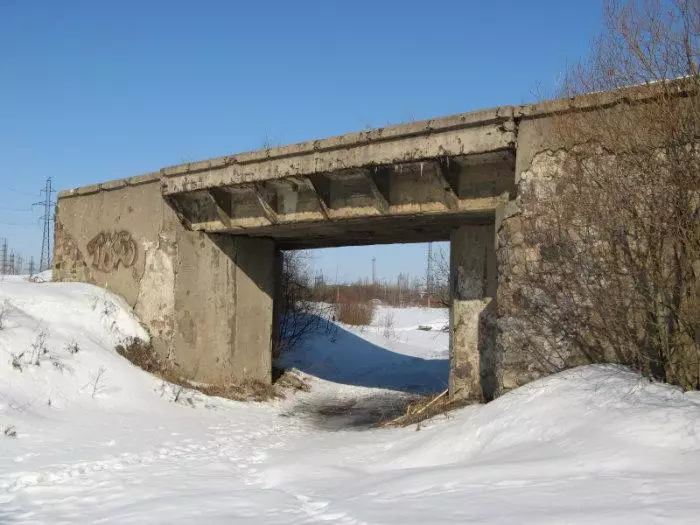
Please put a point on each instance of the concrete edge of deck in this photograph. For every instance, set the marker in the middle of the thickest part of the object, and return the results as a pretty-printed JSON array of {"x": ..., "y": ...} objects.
[{"x": 401, "y": 131}]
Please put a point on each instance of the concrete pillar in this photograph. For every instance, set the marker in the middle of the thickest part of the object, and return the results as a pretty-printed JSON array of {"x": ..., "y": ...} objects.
[
  {"x": 473, "y": 284},
  {"x": 224, "y": 287}
]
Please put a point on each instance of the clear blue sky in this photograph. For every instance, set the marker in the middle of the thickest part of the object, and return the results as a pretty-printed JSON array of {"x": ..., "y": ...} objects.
[{"x": 92, "y": 91}]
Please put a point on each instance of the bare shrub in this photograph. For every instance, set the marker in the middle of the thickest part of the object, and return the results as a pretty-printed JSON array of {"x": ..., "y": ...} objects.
[
  {"x": 300, "y": 313},
  {"x": 613, "y": 273},
  {"x": 387, "y": 325},
  {"x": 17, "y": 361},
  {"x": 355, "y": 314},
  {"x": 58, "y": 364},
  {"x": 98, "y": 381},
  {"x": 243, "y": 391},
  {"x": 441, "y": 277},
  {"x": 5, "y": 308},
  {"x": 10, "y": 432},
  {"x": 404, "y": 292},
  {"x": 39, "y": 347},
  {"x": 141, "y": 353},
  {"x": 423, "y": 408}
]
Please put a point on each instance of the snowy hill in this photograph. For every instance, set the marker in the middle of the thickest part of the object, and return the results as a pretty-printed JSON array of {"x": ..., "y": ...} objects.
[{"x": 100, "y": 440}]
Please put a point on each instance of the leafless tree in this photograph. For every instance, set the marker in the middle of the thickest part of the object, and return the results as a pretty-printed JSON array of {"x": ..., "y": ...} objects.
[
  {"x": 301, "y": 314},
  {"x": 613, "y": 217}
]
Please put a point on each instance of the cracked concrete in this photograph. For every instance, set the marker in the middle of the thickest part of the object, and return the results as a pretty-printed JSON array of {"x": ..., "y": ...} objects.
[{"x": 207, "y": 233}]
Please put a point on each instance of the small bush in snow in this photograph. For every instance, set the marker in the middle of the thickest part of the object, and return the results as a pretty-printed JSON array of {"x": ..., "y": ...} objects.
[
  {"x": 97, "y": 381},
  {"x": 10, "y": 432},
  {"x": 39, "y": 347},
  {"x": 141, "y": 354},
  {"x": 355, "y": 314},
  {"x": 387, "y": 324},
  {"x": 17, "y": 361},
  {"x": 57, "y": 363},
  {"x": 425, "y": 327},
  {"x": 103, "y": 304},
  {"x": 72, "y": 347}
]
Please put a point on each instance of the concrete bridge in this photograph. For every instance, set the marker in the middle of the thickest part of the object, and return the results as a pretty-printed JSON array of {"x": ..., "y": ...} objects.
[{"x": 195, "y": 248}]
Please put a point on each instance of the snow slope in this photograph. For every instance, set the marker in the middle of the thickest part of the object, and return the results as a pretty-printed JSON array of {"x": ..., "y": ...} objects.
[
  {"x": 596, "y": 444},
  {"x": 395, "y": 356}
]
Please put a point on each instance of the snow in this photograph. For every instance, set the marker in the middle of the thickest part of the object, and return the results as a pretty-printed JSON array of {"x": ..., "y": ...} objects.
[
  {"x": 398, "y": 357},
  {"x": 596, "y": 444}
]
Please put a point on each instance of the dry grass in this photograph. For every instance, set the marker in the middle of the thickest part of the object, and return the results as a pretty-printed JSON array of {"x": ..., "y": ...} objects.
[
  {"x": 425, "y": 408},
  {"x": 141, "y": 354},
  {"x": 355, "y": 313}
]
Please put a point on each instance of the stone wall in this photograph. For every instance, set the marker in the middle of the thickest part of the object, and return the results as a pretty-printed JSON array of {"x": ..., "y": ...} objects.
[{"x": 523, "y": 355}]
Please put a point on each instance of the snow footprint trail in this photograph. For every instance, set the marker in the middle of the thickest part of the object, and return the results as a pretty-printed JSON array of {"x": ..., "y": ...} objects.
[
  {"x": 229, "y": 451},
  {"x": 319, "y": 511},
  {"x": 254, "y": 452}
]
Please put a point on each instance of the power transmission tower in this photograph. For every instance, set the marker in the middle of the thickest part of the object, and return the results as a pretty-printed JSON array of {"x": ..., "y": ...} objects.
[
  {"x": 19, "y": 265},
  {"x": 429, "y": 273},
  {"x": 47, "y": 218},
  {"x": 11, "y": 264},
  {"x": 32, "y": 266},
  {"x": 3, "y": 257},
  {"x": 374, "y": 270}
]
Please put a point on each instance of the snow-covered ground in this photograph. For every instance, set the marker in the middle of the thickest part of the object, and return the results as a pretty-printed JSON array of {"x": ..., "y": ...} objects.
[{"x": 98, "y": 440}]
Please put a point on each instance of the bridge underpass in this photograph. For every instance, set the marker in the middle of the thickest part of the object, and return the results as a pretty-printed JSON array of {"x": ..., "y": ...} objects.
[
  {"x": 206, "y": 237},
  {"x": 194, "y": 248},
  {"x": 450, "y": 197}
]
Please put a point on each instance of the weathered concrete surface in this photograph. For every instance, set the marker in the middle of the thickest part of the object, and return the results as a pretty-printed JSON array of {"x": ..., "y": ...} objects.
[
  {"x": 464, "y": 134},
  {"x": 89, "y": 245},
  {"x": 206, "y": 300},
  {"x": 223, "y": 308},
  {"x": 473, "y": 369},
  {"x": 414, "y": 200}
]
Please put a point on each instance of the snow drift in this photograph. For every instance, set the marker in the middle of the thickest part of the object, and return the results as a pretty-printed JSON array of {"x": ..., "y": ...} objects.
[{"x": 596, "y": 444}]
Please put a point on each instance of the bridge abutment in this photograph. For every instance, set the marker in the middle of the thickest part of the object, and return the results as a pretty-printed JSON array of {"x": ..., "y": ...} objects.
[{"x": 224, "y": 288}]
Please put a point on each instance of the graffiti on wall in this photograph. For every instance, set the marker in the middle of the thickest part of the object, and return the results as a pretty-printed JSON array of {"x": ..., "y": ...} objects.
[{"x": 109, "y": 249}]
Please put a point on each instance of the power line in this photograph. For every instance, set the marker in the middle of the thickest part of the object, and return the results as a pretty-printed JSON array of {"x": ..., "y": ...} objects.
[
  {"x": 15, "y": 209},
  {"x": 22, "y": 224},
  {"x": 8, "y": 188}
]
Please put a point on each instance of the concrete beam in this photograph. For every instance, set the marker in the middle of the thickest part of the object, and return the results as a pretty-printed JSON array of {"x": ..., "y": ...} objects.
[
  {"x": 322, "y": 204},
  {"x": 382, "y": 202},
  {"x": 445, "y": 179},
  {"x": 222, "y": 202},
  {"x": 270, "y": 213}
]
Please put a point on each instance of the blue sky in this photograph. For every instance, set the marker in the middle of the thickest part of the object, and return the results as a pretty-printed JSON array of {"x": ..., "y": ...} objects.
[{"x": 92, "y": 91}]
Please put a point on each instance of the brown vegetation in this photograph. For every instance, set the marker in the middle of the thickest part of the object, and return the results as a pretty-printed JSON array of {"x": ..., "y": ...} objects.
[
  {"x": 614, "y": 216},
  {"x": 141, "y": 354},
  {"x": 355, "y": 313},
  {"x": 424, "y": 408},
  {"x": 403, "y": 293}
]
